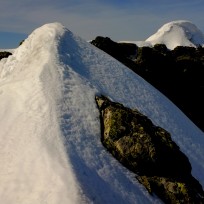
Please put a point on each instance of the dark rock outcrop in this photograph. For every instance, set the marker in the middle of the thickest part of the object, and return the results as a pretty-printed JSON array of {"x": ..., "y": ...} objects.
[
  {"x": 4, "y": 54},
  {"x": 148, "y": 151},
  {"x": 123, "y": 52},
  {"x": 177, "y": 73}
]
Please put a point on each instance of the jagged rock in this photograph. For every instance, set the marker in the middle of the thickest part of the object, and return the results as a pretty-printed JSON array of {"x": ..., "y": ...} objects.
[{"x": 148, "y": 151}]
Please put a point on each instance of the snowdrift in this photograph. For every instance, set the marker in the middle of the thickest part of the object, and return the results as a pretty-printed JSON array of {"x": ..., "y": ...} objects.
[
  {"x": 178, "y": 33},
  {"x": 173, "y": 34},
  {"x": 50, "y": 129}
]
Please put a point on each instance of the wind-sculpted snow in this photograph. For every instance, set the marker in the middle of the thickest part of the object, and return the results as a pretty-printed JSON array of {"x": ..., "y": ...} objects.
[
  {"x": 34, "y": 166},
  {"x": 173, "y": 34},
  {"x": 50, "y": 129},
  {"x": 178, "y": 33}
]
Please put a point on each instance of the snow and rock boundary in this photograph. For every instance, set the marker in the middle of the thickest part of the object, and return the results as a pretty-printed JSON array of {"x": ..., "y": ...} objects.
[{"x": 50, "y": 133}]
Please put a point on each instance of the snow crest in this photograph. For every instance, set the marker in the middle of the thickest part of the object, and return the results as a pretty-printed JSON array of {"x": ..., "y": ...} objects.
[
  {"x": 34, "y": 166},
  {"x": 50, "y": 129},
  {"x": 178, "y": 33}
]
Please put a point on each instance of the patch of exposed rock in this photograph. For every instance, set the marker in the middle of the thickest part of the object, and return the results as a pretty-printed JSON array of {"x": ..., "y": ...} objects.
[
  {"x": 4, "y": 54},
  {"x": 158, "y": 65},
  {"x": 148, "y": 151},
  {"x": 124, "y": 52}
]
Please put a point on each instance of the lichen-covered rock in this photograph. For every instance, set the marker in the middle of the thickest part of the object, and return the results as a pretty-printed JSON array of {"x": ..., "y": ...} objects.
[{"x": 149, "y": 151}]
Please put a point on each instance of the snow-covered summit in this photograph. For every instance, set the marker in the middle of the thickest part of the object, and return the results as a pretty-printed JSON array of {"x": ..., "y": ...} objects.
[
  {"x": 50, "y": 149},
  {"x": 178, "y": 33}
]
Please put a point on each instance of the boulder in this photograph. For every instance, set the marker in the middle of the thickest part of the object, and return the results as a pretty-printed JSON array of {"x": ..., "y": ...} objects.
[{"x": 149, "y": 152}]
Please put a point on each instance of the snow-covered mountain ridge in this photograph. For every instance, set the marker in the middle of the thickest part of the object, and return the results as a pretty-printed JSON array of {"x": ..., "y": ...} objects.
[
  {"x": 50, "y": 129},
  {"x": 173, "y": 34}
]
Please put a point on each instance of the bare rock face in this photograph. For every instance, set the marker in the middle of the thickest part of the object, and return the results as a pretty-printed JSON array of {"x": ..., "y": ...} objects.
[
  {"x": 124, "y": 52},
  {"x": 148, "y": 151}
]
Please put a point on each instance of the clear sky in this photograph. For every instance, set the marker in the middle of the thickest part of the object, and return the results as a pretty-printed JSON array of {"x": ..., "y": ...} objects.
[{"x": 117, "y": 19}]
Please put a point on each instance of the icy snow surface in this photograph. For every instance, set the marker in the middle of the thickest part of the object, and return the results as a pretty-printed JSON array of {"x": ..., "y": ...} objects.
[{"x": 50, "y": 149}]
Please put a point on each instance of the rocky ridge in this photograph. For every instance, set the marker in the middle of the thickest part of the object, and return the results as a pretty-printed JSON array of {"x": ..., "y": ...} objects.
[{"x": 177, "y": 73}]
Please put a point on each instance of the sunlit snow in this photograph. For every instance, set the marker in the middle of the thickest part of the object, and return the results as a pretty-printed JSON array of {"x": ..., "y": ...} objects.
[
  {"x": 178, "y": 33},
  {"x": 173, "y": 34},
  {"x": 50, "y": 130}
]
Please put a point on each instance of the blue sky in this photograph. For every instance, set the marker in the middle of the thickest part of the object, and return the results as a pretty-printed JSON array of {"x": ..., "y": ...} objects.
[{"x": 117, "y": 19}]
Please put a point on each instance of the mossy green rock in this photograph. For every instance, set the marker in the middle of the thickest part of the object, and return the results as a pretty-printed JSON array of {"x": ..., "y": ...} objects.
[{"x": 148, "y": 151}]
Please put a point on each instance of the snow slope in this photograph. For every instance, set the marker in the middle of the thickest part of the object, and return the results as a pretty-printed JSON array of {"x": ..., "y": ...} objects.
[
  {"x": 177, "y": 33},
  {"x": 50, "y": 129}
]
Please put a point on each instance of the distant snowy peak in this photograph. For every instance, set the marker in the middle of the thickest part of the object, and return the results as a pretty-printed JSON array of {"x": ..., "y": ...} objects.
[{"x": 178, "y": 33}]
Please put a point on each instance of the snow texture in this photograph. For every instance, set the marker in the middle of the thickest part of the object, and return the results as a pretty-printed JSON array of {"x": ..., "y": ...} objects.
[
  {"x": 138, "y": 43},
  {"x": 50, "y": 130},
  {"x": 178, "y": 33},
  {"x": 7, "y": 50},
  {"x": 173, "y": 34}
]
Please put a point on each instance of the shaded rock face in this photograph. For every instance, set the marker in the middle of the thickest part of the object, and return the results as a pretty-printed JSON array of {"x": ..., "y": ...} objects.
[
  {"x": 124, "y": 52},
  {"x": 4, "y": 54},
  {"x": 148, "y": 151}
]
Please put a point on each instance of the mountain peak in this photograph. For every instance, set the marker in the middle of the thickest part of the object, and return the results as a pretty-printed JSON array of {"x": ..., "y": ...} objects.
[
  {"x": 178, "y": 33},
  {"x": 51, "y": 150}
]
